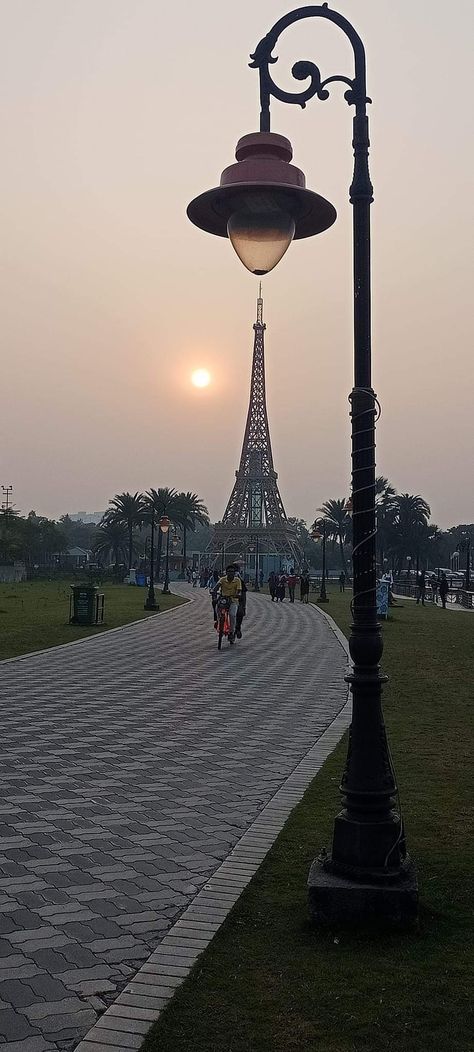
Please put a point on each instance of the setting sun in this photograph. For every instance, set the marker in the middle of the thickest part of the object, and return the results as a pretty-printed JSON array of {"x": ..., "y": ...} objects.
[{"x": 201, "y": 378}]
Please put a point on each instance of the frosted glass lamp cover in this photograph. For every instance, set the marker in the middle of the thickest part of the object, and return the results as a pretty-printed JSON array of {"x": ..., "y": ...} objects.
[{"x": 261, "y": 239}]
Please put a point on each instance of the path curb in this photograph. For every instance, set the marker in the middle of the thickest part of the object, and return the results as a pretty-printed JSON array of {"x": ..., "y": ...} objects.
[{"x": 99, "y": 635}]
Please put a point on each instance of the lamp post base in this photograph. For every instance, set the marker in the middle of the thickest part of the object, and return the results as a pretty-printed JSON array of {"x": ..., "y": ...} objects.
[
  {"x": 334, "y": 899},
  {"x": 150, "y": 604},
  {"x": 322, "y": 599}
]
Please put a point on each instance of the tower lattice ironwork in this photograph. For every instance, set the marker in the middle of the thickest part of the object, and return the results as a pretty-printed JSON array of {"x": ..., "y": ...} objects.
[{"x": 255, "y": 512}]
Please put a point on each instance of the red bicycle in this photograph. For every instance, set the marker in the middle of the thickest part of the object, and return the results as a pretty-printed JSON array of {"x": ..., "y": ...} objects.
[{"x": 223, "y": 619}]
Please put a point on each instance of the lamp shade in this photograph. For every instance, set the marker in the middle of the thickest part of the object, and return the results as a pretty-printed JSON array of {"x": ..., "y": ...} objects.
[
  {"x": 165, "y": 523},
  {"x": 262, "y": 203}
]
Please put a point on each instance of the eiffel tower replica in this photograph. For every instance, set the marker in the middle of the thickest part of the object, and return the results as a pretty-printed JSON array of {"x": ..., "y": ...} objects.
[{"x": 255, "y": 514}]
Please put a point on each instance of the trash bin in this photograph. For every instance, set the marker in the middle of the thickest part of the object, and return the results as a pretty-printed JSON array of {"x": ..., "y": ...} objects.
[{"x": 86, "y": 605}]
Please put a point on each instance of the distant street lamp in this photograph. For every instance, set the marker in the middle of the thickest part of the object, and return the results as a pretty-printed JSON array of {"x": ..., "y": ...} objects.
[
  {"x": 465, "y": 546},
  {"x": 256, "y": 586},
  {"x": 318, "y": 534},
  {"x": 150, "y": 602},
  {"x": 261, "y": 204},
  {"x": 165, "y": 524}
]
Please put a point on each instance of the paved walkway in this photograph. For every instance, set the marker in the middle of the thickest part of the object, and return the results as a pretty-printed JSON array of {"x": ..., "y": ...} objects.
[{"x": 131, "y": 765}]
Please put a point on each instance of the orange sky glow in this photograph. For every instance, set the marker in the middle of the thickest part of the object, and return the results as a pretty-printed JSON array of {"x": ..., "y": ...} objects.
[{"x": 114, "y": 115}]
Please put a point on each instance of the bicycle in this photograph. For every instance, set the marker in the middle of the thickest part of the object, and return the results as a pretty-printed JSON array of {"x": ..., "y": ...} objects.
[{"x": 223, "y": 619}]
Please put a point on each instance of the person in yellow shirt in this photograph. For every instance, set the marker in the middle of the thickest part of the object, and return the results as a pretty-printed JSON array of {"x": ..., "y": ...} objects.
[{"x": 230, "y": 587}]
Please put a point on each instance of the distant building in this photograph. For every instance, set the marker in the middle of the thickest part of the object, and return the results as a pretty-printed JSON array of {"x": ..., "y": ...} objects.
[
  {"x": 13, "y": 573},
  {"x": 87, "y": 516},
  {"x": 78, "y": 557}
]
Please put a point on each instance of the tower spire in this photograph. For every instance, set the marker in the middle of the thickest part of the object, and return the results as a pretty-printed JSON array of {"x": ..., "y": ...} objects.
[{"x": 260, "y": 305}]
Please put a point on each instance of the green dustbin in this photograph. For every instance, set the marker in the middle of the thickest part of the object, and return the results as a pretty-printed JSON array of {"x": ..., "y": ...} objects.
[{"x": 86, "y": 605}]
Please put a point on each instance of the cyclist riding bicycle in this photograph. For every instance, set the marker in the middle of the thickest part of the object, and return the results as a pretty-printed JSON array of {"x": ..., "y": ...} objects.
[{"x": 230, "y": 587}]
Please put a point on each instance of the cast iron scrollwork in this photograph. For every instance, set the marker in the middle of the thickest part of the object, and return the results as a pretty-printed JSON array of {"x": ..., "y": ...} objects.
[{"x": 262, "y": 58}]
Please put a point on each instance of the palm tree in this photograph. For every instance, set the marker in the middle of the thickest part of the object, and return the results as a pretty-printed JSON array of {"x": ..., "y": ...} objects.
[
  {"x": 127, "y": 509},
  {"x": 385, "y": 506},
  {"x": 112, "y": 539},
  {"x": 191, "y": 511},
  {"x": 338, "y": 524},
  {"x": 383, "y": 488},
  {"x": 165, "y": 502},
  {"x": 411, "y": 524}
]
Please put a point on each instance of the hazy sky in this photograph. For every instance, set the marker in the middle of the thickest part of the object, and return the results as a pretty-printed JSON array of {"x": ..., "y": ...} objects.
[{"x": 114, "y": 114}]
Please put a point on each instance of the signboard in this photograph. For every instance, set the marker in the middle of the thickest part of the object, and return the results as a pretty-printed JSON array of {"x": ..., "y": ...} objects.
[
  {"x": 82, "y": 606},
  {"x": 382, "y": 598}
]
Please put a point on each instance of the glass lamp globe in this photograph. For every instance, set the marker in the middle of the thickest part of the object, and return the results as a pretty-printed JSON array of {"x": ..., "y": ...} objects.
[{"x": 260, "y": 239}]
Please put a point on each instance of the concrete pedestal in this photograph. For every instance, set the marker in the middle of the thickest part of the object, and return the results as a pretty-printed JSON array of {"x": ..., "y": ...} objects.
[{"x": 335, "y": 899}]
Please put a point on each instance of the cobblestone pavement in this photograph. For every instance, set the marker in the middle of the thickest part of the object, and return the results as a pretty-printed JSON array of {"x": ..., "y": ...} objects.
[{"x": 131, "y": 764}]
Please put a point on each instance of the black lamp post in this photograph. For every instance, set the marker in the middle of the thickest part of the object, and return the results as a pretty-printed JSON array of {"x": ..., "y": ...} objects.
[
  {"x": 165, "y": 524},
  {"x": 261, "y": 204},
  {"x": 317, "y": 535},
  {"x": 465, "y": 546},
  {"x": 150, "y": 602},
  {"x": 256, "y": 586}
]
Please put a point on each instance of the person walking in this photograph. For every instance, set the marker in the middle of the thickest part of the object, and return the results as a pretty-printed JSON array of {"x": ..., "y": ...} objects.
[
  {"x": 242, "y": 607},
  {"x": 304, "y": 588},
  {"x": 261, "y": 578},
  {"x": 195, "y": 578},
  {"x": 443, "y": 590},
  {"x": 280, "y": 588},
  {"x": 434, "y": 587},
  {"x": 272, "y": 585},
  {"x": 421, "y": 586},
  {"x": 342, "y": 581},
  {"x": 292, "y": 579}
]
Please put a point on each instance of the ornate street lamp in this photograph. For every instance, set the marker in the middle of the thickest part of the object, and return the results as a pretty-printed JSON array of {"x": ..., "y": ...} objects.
[
  {"x": 318, "y": 534},
  {"x": 165, "y": 524},
  {"x": 150, "y": 602},
  {"x": 262, "y": 204}
]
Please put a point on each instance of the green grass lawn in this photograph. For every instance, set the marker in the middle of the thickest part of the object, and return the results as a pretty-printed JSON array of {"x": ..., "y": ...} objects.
[
  {"x": 268, "y": 982},
  {"x": 35, "y": 614}
]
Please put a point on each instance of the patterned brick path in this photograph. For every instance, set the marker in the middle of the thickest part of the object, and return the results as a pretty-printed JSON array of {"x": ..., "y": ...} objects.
[{"x": 131, "y": 764}]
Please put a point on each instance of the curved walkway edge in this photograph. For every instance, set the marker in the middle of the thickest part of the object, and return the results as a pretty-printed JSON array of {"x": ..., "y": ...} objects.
[
  {"x": 98, "y": 635},
  {"x": 124, "y": 1025}
]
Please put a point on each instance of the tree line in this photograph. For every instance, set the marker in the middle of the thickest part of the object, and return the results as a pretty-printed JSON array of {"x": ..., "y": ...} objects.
[
  {"x": 405, "y": 536},
  {"x": 121, "y": 526},
  {"x": 118, "y": 537}
]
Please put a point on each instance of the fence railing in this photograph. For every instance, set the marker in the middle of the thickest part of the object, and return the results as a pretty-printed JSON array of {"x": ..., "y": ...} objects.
[{"x": 456, "y": 593}]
